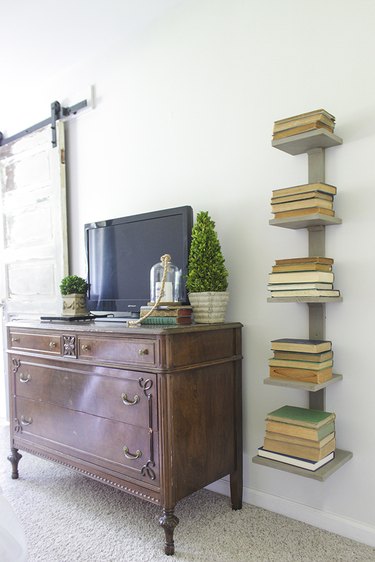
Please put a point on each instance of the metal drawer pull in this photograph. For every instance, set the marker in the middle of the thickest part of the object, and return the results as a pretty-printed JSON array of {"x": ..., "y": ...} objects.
[
  {"x": 85, "y": 347},
  {"x": 26, "y": 421},
  {"x": 131, "y": 456},
  {"x": 15, "y": 340},
  {"x": 143, "y": 351},
  {"x": 128, "y": 402},
  {"x": 25, "y": 378},
  {"x": 52, "y": 344}
]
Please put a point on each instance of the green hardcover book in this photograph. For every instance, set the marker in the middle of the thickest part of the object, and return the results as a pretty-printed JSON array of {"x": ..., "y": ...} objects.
[
  {"x": 166, "y": 320},
  {"x": 306, "y": 346},
  {"x": 301, "y": 416}
]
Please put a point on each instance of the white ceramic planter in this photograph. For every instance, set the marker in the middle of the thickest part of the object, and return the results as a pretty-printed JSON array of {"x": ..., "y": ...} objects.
[
  {"x": 74, "y": 305},
  {"x": 209, "y": 307}
]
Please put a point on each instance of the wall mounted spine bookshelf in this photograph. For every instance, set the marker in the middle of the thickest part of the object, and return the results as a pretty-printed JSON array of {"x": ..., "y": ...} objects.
[{"x": 314, "y": 144}]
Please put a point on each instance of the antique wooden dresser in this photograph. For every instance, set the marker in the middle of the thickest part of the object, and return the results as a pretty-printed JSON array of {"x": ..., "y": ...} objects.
[{"x": 153, "y": 411}]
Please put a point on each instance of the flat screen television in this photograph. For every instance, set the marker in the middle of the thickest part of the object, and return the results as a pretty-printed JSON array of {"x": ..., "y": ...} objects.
[{"x": 120, "y": 253}]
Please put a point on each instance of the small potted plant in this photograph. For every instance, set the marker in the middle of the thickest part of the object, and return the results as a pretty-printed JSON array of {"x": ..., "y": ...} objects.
[
  {"x": 207, "y": 278},
  {"x": 73, "y": 291}
]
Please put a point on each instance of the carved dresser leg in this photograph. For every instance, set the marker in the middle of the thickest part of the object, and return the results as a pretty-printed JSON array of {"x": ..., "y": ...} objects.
[
  {"x": 14, "y": 458},
  {"x": 168, "y": 521}
]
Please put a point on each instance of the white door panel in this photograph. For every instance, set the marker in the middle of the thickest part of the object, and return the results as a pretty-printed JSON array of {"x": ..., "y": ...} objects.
[{"x": 35, "y": 255}]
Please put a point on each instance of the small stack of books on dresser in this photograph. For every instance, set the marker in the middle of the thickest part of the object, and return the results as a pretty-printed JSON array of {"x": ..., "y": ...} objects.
[
  {"x": 302, "y": 123},
  {"x": 171, "y": 315},
  {"x": 310, "y": 276},
  {"x": 299, "y": 437},
  {"x": 302, "y": 200},
  {"x": 301, "y": 360}
]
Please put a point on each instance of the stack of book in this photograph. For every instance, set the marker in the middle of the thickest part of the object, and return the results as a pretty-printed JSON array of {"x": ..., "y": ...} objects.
[
  {"x": 301, "y": 360},
  {"x": 178, "y": 315},
  {"x": 310, "y": 276},
  {"x": 302, "y": 123},
  {"x": 302, "y": 200},
  {"x": 299, "y": 437}
]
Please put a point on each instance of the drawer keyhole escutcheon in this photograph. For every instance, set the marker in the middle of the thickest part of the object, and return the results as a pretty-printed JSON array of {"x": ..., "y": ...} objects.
[
  {"x": 143, "y": 351},
  {"x": 132, "y": 456},
  {"x": 128, "y": 402},
  {"x": 85, "y": 347},
  {"x": 26, "y": 421},
  {"x": 25, "y": 378},
  {"x": 52, "y": 344}
]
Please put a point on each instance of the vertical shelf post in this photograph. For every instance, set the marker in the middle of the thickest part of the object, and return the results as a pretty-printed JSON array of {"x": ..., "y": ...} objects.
[
  {"x": 316, "y": 163},
  {"x": 317, "y": 311},
  {"x": 317, "y": 331}
]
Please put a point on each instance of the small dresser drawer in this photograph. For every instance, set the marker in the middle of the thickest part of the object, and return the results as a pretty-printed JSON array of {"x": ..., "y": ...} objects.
[
  {"x": 117, "y": 350},
  {"x": 39, "y": 343}
]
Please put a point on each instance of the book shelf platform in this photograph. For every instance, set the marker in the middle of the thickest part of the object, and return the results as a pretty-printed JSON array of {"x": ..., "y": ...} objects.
[
  {"x": 304, "y": 142},
  {"x": 309, "y": 386},
  {"x": 304, "y": 299},
  {"x": 341, "y": 457},
  {"x": 306, "y": 221}
]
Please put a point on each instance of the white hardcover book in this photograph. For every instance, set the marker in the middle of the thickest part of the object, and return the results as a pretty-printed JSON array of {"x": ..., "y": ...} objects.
[
  {"x": 295, "y": 461},
  {"x": 297, "y": 286}
]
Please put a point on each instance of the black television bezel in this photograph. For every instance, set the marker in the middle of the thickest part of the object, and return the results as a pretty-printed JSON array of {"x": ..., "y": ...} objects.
[{"x": 186, "y": 213}]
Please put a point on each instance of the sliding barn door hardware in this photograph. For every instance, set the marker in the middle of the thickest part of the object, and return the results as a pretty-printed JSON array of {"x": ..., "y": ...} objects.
[{"x": 57, "y": 112}]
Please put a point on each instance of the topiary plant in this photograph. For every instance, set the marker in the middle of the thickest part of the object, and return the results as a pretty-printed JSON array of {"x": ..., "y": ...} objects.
[
  {"x": 206, "y": 265},
  {"x": 72, "y": 284}
]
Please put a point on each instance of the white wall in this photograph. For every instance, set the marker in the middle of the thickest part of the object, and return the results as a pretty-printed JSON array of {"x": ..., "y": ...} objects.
[{"x": 184, "y": 115}]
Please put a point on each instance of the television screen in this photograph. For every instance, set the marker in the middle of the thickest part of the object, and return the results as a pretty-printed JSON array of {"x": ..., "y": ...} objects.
[{"x": 120, "y": 253}]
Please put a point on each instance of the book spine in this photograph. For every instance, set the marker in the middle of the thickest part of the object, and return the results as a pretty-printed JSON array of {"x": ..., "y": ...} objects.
[
  {"x": 303, "y": 212},
  {"x": 296, "y": 205},
  {"x": 284, "y": 124},
  {"x": 309, "y": 357},
  {"x": 307, "y": 259},
  {"x": 301, "y": 276},
  {"x": 300, "y": 365},
  {"x": 301, "y": 293},
  {"x": 300, "y": 440},
  {"x": 294, "y": 450},
  {"x": 305, "y": 346},
  {"x": 295, "y": 461},
  {"x": 302, "y": 375},
  {"x": 305, "y": 188},
  {"x": 302, "y": 196},
  {"x": 302, "y": 432},
  {"x": 296, "y": 286},
  {"x": 301, "y": 267},
  {"x": 166, "y": 320},
  {"x": 302, "y": 129},
  {"x": 186, "y": 311}
]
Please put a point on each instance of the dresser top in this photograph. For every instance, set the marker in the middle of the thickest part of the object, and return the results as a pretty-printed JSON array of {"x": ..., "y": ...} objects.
[{"x": 116, "y": 327}]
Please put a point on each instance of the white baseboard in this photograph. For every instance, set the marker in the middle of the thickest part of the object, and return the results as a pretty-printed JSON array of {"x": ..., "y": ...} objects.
[{"x": 331, "y": 522}]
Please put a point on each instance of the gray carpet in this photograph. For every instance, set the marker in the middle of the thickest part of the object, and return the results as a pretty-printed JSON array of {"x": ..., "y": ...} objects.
[{"x": 69, "y": 518}]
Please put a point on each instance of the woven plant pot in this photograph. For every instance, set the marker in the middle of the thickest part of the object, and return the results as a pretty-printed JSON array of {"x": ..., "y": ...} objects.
[
  {"x": 74, "y": 305},
  {"x": 209, "y": 307}
]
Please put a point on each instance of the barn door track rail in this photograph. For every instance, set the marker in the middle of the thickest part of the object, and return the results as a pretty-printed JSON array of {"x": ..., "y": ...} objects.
[{"x": 57, "y": 112}]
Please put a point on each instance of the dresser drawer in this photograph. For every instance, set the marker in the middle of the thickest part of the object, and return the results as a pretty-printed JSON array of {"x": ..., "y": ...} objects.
[
  {"x": 127, "y": 396},
  {"x": 40, "y": 343},
  {"x": 117, "y": 350},
  {"x": 111, "y": 444}
]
